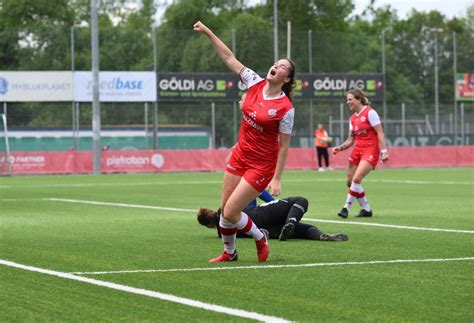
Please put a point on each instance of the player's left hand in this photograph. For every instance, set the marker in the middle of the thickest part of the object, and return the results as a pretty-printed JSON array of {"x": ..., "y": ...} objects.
[
  {"x": 384, "y": 155},
  {"x": 274, "y": 187}
]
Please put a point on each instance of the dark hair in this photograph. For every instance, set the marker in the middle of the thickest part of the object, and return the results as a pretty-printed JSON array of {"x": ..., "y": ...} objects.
[
  {"x": 207, "y": 216},
  {"x": 288, "y": 87},
  {"x": 359, "y": 95}
]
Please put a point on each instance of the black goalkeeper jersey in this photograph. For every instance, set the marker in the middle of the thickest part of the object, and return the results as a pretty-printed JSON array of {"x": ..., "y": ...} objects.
[{"x": 271, "y": 215}]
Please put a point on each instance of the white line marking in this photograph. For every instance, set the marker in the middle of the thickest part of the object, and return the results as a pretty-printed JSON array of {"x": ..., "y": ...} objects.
[
  {"x": 21, "y": 199},
  {"x": 304, "y": 219},
  {"x": 112, "y": 184},
  {"x": 79, "y": 185},
  {"x": 319, "y": 264},
  {"x": 387, "y": 225},
  {"x": 149, "y": 293},
  {"x": 392, "y": 181},
  {"x": 120, "y": 204}
]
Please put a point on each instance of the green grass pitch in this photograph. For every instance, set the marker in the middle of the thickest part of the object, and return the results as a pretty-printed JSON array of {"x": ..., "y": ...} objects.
[{"x": 143, "y": 236}]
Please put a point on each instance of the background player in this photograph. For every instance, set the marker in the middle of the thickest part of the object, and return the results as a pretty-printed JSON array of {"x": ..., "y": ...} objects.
[{"x": 365, "y": 129}]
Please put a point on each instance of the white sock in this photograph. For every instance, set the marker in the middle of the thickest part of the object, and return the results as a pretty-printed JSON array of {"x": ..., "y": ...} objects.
[
  {"x": 352, "y": 195},
  {"x": 247, "y": 226},
  {"x": 364, "y": 203},
  {"x": 229, "y": 235},
  {"x": 361, "y": 198}
]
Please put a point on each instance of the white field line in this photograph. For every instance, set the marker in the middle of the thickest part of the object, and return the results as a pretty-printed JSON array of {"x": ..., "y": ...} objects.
[
  {"x": 318, "y": 264},
  {"x": 120, "y": 205},
  {"x": 130, "y": 184},
  {"x": 388, "y": 225},
  {"x": 149, "y": 293},
  {"x": 304, "y": 219},
  {"x": 219, "y": 182}
]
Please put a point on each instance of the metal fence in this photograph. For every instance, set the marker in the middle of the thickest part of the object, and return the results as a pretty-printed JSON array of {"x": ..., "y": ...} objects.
[{"x": 428, "y": 81}]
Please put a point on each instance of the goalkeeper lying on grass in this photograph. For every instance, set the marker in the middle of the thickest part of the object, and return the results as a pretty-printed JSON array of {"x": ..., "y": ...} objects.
[{"x": 281, "y": 218}]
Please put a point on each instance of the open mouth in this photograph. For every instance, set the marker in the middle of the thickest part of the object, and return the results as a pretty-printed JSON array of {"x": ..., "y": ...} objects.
[{"x": 272, "y": 72}]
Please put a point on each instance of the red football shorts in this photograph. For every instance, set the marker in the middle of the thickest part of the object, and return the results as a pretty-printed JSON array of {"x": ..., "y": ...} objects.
[
  {"x": 371, "y": 155},
  {"x": 258, "y": 176}
]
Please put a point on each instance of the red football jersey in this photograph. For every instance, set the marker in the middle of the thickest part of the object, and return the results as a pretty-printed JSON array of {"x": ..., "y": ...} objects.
[
  {"x": 262, "y": 121},
  {"x": 362, "y": 128}
]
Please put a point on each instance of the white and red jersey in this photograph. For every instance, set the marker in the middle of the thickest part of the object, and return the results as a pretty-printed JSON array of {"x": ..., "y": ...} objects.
[
  {"x": 362, "y": 128},
  {"x": 263, "y": 119}
]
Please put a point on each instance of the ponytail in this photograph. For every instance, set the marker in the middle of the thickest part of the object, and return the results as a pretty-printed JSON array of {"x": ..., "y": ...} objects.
[{"x": 288, "y": 87}]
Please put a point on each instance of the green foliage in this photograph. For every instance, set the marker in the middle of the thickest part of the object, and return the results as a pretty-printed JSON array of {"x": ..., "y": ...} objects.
[{"x": 36, "y": 35}]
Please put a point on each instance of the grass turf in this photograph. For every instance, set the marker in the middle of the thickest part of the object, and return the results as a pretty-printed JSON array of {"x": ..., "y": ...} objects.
[{"x": 76, "y": 237}]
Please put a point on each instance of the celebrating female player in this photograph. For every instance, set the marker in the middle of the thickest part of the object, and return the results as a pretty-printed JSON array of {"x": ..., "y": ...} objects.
[
  {"x": 259, "y": 157},
  {"x": 366, "y": 131}
]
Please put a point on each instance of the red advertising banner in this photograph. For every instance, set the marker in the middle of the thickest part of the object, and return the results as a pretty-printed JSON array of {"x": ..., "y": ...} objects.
[{"x": 149, "y": 161}]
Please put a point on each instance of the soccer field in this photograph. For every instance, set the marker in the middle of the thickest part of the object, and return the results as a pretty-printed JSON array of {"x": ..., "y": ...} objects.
[{"x": 129, "y": 248}]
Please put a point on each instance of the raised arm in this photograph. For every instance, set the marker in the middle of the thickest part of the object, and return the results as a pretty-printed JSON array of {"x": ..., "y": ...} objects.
[{"x": 224, "y": 53}]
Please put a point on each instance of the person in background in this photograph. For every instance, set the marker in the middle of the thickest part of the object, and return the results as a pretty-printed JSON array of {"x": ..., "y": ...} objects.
[
  {"x": 365, "y": 130},
  {"x": 321, "y": 142}
]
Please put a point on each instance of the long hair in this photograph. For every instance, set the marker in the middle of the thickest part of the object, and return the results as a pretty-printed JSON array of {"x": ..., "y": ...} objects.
[
  {"x": 288, "y": 87},
  {"x": 359, "y": 95}
]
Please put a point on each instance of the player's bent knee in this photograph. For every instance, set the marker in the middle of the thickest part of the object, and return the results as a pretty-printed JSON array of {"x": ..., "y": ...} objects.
[
  {"x": 230, "y": 215},
  {"x": 357, "y": 179},
  {"x": 303, "y": 202}
]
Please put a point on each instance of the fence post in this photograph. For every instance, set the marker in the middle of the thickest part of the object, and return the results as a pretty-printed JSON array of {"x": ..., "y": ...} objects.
[
  {"x": 455, "y": 60},
  {"x": 75, "y": 131},
  {"x": 403, "y": 121},
  {"x": 155, "y": 104},
  {"x": 234, "y": 104},
  {"x": 330, "y": 124},
  {"x": 384, "y": 80},
  {"x": 213, "y": 122},
  {"x": 78, "y": 130},
  {"x": 341, "y": 130},
  {"x": 146, "y": 124},
  {"x": 450, "y": 123},
  {"x": 462, "y": 125},
  {"x": 311, "y": 121}
]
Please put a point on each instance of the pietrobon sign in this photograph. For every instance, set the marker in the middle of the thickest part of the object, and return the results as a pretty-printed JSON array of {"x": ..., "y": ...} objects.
[{"x": 227, "y": 86}]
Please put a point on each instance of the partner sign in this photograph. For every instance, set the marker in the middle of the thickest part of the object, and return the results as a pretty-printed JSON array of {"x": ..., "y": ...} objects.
[{"x": 116, "y": 86}]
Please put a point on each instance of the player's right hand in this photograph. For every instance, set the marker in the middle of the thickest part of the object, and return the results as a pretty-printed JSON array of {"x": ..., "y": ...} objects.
[{"x": 336, "y": 149}]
